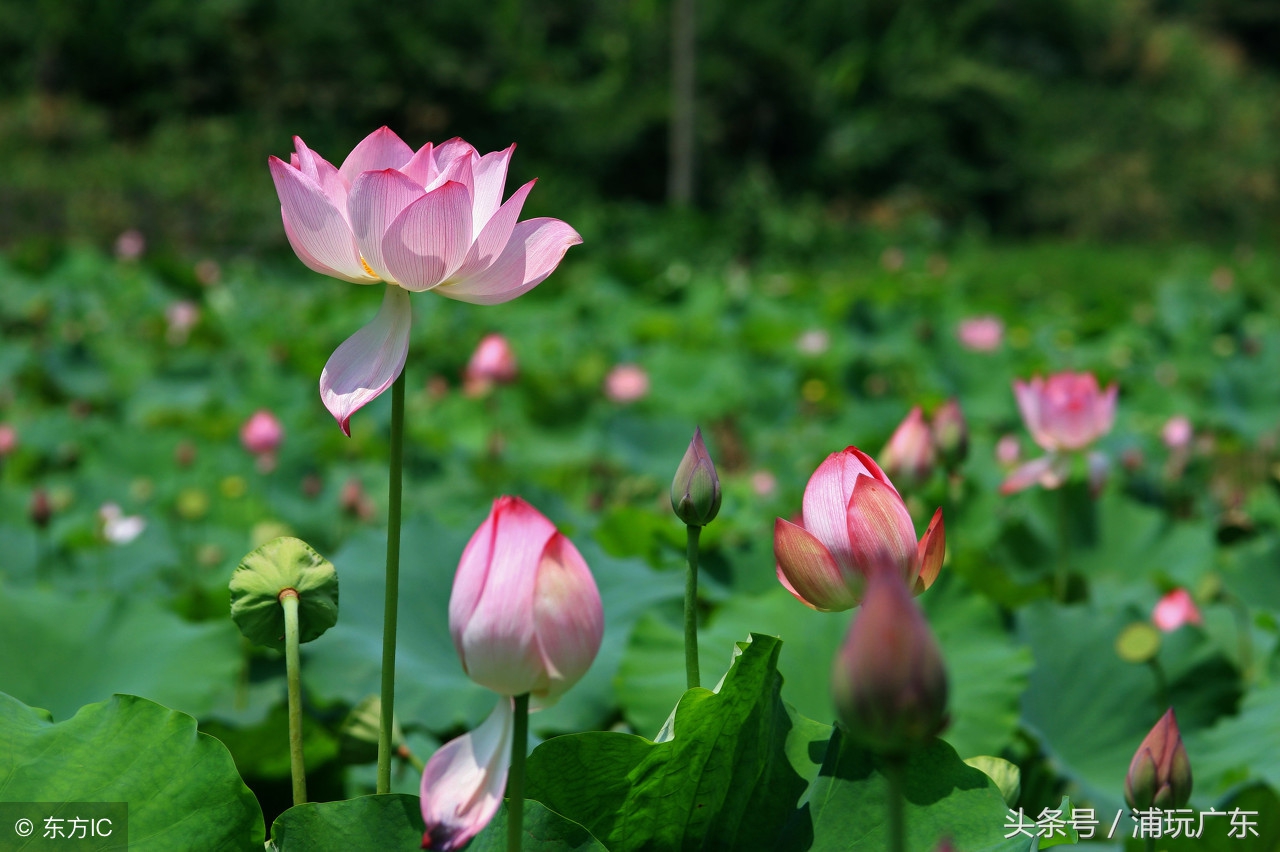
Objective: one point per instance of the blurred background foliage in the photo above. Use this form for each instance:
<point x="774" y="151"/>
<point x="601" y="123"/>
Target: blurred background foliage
<point x="1105" y="119"/>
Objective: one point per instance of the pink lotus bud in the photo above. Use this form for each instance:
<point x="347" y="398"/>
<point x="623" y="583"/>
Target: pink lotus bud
<point x="1067" y="411"/>
<point x="981" y="334"/>
<point x="117" y="527"/>
<point x="463" y="782"/>
<point x="184" y="455"/>
<point x="1174" y="610"/>
<point x="493" y="363"/>
<point x="695" y="491"/>
<point x="626" y="383"/>
<point x="261" y="433"/>
<point x="130" y="244"/>
<point x="525" y="613"/>
<point x="8" y="439"/>
<point x="181" y="316"/>
<point x="853" y="521"/>
<point x="1160" y="773"/>
<point x="1177" y="433"/>
<point x="1008" y="450"/>
<point x="909" y="454"/>
<point x="888" y="680"/>
<point x="951" y="433"/>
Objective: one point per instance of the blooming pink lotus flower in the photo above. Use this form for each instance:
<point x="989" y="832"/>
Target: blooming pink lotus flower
<point x="909" y="455"/>
<point x="1064" y="413"/>
<point x="463" y="782"/>
<point x="262" y="433"/>
<point x="1174" y="610"/>
<point x="853" y="521"/>
<point x="433" y="219"/>
<point x="981" y="334"/>
<point x="525" y="613"/>
<point x="493" y="363"/>
<point x="626" y="383"/>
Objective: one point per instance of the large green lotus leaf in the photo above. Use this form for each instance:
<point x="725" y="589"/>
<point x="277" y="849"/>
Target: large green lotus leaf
<point x="1091" y="708"/>
<point x="181" y="785"/>
<point x="544" y="830"/>
<point x="1254" y="829"/>
<point x="363" y="824"/>
<point x="1238" y="748"/>
<point x="728" y="776"/>
<point x="987" y="671"/>
<point x="79" y="650"/>
<point x="845" y="808"/>
<point x="431" y="688"/>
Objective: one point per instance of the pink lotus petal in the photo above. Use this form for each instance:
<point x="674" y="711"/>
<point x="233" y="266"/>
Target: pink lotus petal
<point x="1047" y="471"/>
<point x="1174" y="610"/>
<point x="376" y="200"/>
<point x="427" y="242"/>
<point x="381" y="149"/>
<point x="826" y="500"/>
<point x="421" y="168"/>
<point x="880" y="530"/>
<point x="568" y="618"/>
<point x="1029" y="395"/>
<point x="931" y="552"/>
<point x="808" y="570"/>
<point x="368" y="361"/>
<point x="317" y="230"/>
<point x="495" y="236"/>
<point x="534" y="251"/>
<point x="464" y="781"/>
<point x="451" y="150"/>
<point x="490" y="173"/>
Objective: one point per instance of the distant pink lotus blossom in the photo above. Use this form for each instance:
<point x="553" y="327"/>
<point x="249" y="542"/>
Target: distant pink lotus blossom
<point x="626" y="383"/>
<point x="130" y="244"/>
<point x="431" y="219"/>
<point x="764" y="483"/>
<point x="1177" y="433"/>
<point x="8" y="439"/>
<point x="262" y="433"/>
<point x="181" y="316"/>
<point x="1174" y="610"/>
<point x="909" y="455"/>
<point x="1008" y="450"/>
<point x="815" y="341"/>
<point x="1064" y="414"/>
<point x="493" y="363"/>
<point x="981" y="334"/>
<point x="117" y="527"/>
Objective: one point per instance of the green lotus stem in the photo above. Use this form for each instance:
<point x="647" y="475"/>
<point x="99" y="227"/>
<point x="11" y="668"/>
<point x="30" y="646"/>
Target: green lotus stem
<point x="1162" y="683"/>
<point x="391" y="600"/>
<point x="1061" y="575"/>
<point x="293" y="670"/>
<point x="691" y="674"/>
<point x="895" y="770"/>
<point x="515" y="779"/>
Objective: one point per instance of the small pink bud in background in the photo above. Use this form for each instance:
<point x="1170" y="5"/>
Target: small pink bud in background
<point x="1160" y="773"/>
<point x="493" y="363"/>
<point x="354" y="501"/>
<point x="815" y="341"/>
<point x="261" y="433"/>
<point x="130" y="245"/>
<point x="1008" y="450"/>
<point x="525" y="613"/>
<point x="888" y="679"/>
<point x="117" y="527"/>
<point x="1177" y="433"/>
<point x="1174" y="610"/>
<point x="41" y="509"/>
<point x="464" y="781"/>
<point x="764" y="483"/>
<point x="626" y="383"/>
<point x="981" y="334"/>
<point x="950" y="433"/>
<point x="181" y="316"/>
<point x="8" y="439"/>
<point x="908" y="457"/>
<point x="184" y="455"/>
<point x="208" y="272"/>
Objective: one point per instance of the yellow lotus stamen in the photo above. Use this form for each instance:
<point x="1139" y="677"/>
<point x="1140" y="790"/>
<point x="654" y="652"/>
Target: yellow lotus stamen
<point x="365" y="265"/>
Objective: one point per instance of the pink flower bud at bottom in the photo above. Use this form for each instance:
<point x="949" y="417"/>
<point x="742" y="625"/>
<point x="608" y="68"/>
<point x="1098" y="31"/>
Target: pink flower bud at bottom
<point x="1160" y="773"/>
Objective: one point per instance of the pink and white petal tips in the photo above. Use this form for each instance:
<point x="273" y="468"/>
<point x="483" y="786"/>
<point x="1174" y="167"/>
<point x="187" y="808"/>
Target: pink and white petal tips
<point x="464" y="781"/>
<point x="368" y="361"/>
<point x="1174" y="610"/>
<point x="489" y="175"/>
<point x="533" y="252"/>
<point x="381" y="149"/>
<point x="880" y="529"/>
<point x="1047" y="471"/>
<point x="316" y="227"/>
<point x="826" y="499"/>
<point x="568" y="618"/>
<point x="931" y="551"/>
<point x="807" y="570"/>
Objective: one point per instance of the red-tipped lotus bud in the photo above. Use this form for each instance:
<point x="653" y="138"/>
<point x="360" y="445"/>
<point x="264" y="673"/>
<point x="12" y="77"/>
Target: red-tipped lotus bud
<point x="908" y="457"/>
<point x="695" y="492"/>
<point x="888" y="680"/>
<point x="1160" y="773"/>
<point x="951" y="433"/>
<point x="493" y="363"/>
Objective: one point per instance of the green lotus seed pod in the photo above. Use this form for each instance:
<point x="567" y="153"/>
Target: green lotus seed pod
<point x="283" y="563"/>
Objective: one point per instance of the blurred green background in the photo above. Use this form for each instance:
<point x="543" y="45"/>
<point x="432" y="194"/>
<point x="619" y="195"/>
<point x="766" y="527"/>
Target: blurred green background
<point x="1111" y="119"/>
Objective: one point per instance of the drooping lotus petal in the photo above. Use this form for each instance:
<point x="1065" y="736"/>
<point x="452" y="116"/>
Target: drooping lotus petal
<point x="381" y="149"/>
<point x="376" y="199"/>
<point x="931" y="551"/>
<point x="808" y="570"/>
<point x="568" y="619"/>
<point x="533" y="252"/>
<point x="464" y="781"/>
<point x="428" y="241"/>
<point x="880" y="529"/>
<point x="1048" y="471"/>
<point x="368" y="361"/>
<point x="316" y="228"/>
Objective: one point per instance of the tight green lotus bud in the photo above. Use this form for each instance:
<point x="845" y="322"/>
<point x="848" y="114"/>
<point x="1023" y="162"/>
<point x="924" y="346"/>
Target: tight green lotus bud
<point x="1160" y="773"/>
<point x="888" y="680"/>
<point x="695" y="492"/>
